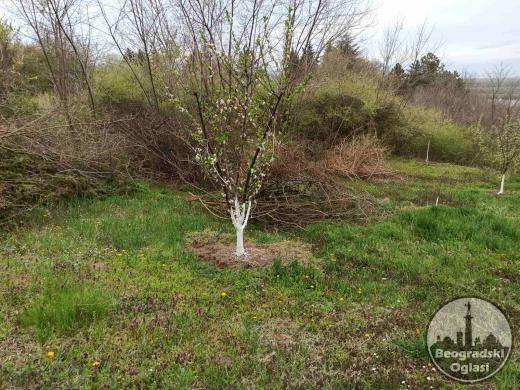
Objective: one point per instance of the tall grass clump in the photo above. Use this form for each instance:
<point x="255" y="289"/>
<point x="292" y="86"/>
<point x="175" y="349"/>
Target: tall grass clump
<point x="60" y="310"/>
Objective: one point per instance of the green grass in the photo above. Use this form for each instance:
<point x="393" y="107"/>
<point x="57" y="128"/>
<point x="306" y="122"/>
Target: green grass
<point x="62" y="309"/>
<point x="111" y="281"/>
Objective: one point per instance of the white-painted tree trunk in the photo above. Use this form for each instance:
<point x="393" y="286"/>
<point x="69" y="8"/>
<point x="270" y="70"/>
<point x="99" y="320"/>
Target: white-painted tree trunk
<point x="428" y="152"/>
<point x="241" y="251"/>
<point x="437" y="201"/>
<point x="502" y="182"/>
<point x="240" y="217"/>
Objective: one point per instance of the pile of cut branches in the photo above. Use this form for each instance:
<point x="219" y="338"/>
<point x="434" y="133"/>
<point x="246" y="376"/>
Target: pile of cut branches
<point x="305" y="187"/>
<point x="299" y="204"/>
<point x="358" y="157"/>
<point x="44" y="159"/>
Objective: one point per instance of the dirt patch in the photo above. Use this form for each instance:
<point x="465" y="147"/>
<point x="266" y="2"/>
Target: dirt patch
<point x="219" y="249"/>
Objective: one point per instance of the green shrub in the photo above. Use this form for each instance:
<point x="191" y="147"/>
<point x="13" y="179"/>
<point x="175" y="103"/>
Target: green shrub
<point x="331" y="112"/>
<point x="338" y="108"/>
<point x="62" y="309"/>
<point x="448" y="141"/>
<point x="34" y="70"/>
<point x="387" y="117"/>
<point x="116" y="87"/>
<point x="17" y="104"/>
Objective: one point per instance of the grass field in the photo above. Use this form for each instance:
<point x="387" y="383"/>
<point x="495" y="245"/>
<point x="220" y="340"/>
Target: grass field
<point x="104" y="294"/>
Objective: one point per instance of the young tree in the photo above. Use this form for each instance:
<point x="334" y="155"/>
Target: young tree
<point x="8" y="53"/>
<point x="144" y="33"/>
<point x="421" y="42"/>
<point x="66" y="15"/>
<point x="390" y="50"/>
<point x="56" y="27"/>
<point x="497" y="79"/>
<point x="503" y="146"/>
<point x="239" y="58"/>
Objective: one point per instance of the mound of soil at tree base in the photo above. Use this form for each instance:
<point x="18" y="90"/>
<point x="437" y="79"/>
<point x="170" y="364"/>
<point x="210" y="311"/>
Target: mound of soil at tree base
<point x="219" y="249"/>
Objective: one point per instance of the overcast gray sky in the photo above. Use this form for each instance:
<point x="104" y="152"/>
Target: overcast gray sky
<point x="475" y="34"/>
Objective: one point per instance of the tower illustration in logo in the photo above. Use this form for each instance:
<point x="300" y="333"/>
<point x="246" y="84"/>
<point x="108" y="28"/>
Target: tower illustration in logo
<point x="468" y="335"/>
<point x="478" y="351"/>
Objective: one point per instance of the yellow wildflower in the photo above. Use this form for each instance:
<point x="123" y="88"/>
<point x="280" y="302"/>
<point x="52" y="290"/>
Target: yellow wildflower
<point x="223" y="294"/>
<point x="50" y="354"/>
<point x="96" y="364"/>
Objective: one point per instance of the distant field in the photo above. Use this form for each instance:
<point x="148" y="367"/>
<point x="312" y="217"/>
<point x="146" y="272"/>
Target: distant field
<point x="484" y="86"/>
<point x="105" y="294"/>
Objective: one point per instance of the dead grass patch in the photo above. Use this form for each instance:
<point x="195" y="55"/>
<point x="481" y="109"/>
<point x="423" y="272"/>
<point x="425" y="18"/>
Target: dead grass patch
<point x="284" y="334"/>
<point x="219" y="249"/>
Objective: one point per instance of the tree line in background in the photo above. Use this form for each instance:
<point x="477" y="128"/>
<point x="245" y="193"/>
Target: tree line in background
<point x="266" y="101"/>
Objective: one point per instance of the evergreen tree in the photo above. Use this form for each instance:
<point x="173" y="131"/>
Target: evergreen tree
<point x="347" y="46"/>
<point x="308" y="57"/>
<point x="398" y="76"/>
<point x="414" y="75"/>
<point x="427" y="70"/>
<point x="398" y="71"/>
<point x="430" y="68"/>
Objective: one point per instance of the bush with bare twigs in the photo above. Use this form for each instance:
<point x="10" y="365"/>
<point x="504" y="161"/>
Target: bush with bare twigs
<point x="158" y="146"/>
<point x="45" y="158"/>
<point x="358" y="157"/>
<point x="362" y="156"/>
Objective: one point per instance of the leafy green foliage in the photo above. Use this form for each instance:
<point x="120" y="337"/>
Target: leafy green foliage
<point x="17" y="103"/>
<point x="339" y="108"/>
<point x="36" y="78"/>
<point x="448" y="141"/>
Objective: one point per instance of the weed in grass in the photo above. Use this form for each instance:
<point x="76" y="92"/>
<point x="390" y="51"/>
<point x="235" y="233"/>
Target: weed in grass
<point x="415" y="348"/>
<point x="296" y="274"/>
